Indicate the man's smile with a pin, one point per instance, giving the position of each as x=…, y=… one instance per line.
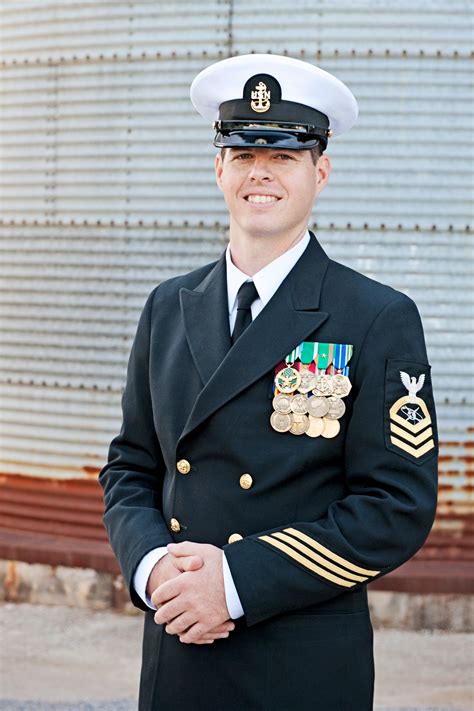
x=261, y=199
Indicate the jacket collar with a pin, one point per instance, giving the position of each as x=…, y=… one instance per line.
x=287, y=319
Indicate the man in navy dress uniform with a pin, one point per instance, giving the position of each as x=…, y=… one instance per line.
x=278, y=447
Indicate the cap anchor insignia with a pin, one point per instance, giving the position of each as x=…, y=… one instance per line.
x=260, y=98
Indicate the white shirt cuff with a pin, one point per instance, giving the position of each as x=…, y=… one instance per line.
x=143, y=572
x=232, y=598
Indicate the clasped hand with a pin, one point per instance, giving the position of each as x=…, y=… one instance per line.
x=188, y=590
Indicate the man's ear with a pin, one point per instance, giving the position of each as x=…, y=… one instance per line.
x=218, y=166
x=323, y=167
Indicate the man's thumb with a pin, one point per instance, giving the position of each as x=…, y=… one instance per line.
x=185, y=563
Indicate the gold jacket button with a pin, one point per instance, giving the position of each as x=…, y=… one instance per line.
x=183, y=466
x=175, y=525
x=234, y=537
x=245, y=481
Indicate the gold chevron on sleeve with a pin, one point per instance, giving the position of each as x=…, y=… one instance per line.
x=329, y=554
x=307, y=563
x=411, y=450
x=414, y=440
x=318, y=558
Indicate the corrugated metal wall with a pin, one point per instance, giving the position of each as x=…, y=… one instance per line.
x=107, y=188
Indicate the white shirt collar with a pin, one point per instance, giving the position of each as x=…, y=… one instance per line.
x=269, y=278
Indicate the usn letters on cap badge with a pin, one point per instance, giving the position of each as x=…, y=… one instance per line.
x=409, y=428
x=260, y=98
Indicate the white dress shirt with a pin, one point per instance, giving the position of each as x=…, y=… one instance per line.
x=266, y=281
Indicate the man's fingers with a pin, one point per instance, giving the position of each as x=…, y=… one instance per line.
x=209, y=639
x=224, y=627
x=181, y=623
x=184, y=563
x=193, y=634
x=169, y=611
x=220, y=632
x=166, y=591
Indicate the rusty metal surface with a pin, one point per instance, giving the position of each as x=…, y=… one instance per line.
x=422, y=576
x=59, y=522
x=54, y=550
x=55, y=522
x=456, y=481
x=66, y=508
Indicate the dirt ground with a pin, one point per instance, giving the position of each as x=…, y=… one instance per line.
x=54, y=654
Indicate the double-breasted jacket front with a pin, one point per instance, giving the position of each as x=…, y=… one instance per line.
x=318, y=517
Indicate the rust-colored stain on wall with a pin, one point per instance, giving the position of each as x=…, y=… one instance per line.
x=452, y=535
x=54, y=521
x=59, y=522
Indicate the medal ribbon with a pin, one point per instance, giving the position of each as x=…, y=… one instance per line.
x=308, y=350
x=342, y=355
x=324, y=357
x=330, y=358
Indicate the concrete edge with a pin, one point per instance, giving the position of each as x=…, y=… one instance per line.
x=37, y=583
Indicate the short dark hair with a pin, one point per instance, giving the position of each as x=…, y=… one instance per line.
x=316, y=152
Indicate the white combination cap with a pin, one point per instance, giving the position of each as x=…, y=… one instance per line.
x=268, y=100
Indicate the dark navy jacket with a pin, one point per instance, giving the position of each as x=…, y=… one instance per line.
x=322, y=518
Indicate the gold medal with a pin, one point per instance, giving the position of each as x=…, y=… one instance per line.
x=299, y=404
x=336, y=407
x=281, y=422
x=287, y=380
x=282, y=404
x=316, y=426
x=323, y=385
x=318, y=406
x=331, y=428
x=300, y=424
x=341, y=385
x=308, y=381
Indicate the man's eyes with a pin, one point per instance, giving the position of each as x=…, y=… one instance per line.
x=249, y=156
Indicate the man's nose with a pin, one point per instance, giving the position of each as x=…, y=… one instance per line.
x=261, y=169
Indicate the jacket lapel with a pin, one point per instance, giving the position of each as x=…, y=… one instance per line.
x=206, y=320
x=288, y=318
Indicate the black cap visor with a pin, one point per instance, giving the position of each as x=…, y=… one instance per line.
x=296, y=140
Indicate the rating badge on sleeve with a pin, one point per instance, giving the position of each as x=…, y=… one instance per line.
x=410, y=421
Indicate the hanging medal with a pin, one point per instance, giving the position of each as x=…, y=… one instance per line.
x=309, y=388
x=287, y=380
x=308, y=378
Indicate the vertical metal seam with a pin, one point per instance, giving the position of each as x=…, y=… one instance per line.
x=231, y=28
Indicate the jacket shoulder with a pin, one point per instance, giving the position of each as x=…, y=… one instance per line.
x=361, y=293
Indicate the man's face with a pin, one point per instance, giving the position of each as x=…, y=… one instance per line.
x=270, y=192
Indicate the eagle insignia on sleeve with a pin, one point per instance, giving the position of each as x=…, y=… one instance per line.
x=410, y=420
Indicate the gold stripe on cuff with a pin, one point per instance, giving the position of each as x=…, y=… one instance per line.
x=333, y=556
x=318, y=558
x=307, y=563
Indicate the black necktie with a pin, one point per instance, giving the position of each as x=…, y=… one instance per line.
x=245, y=298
